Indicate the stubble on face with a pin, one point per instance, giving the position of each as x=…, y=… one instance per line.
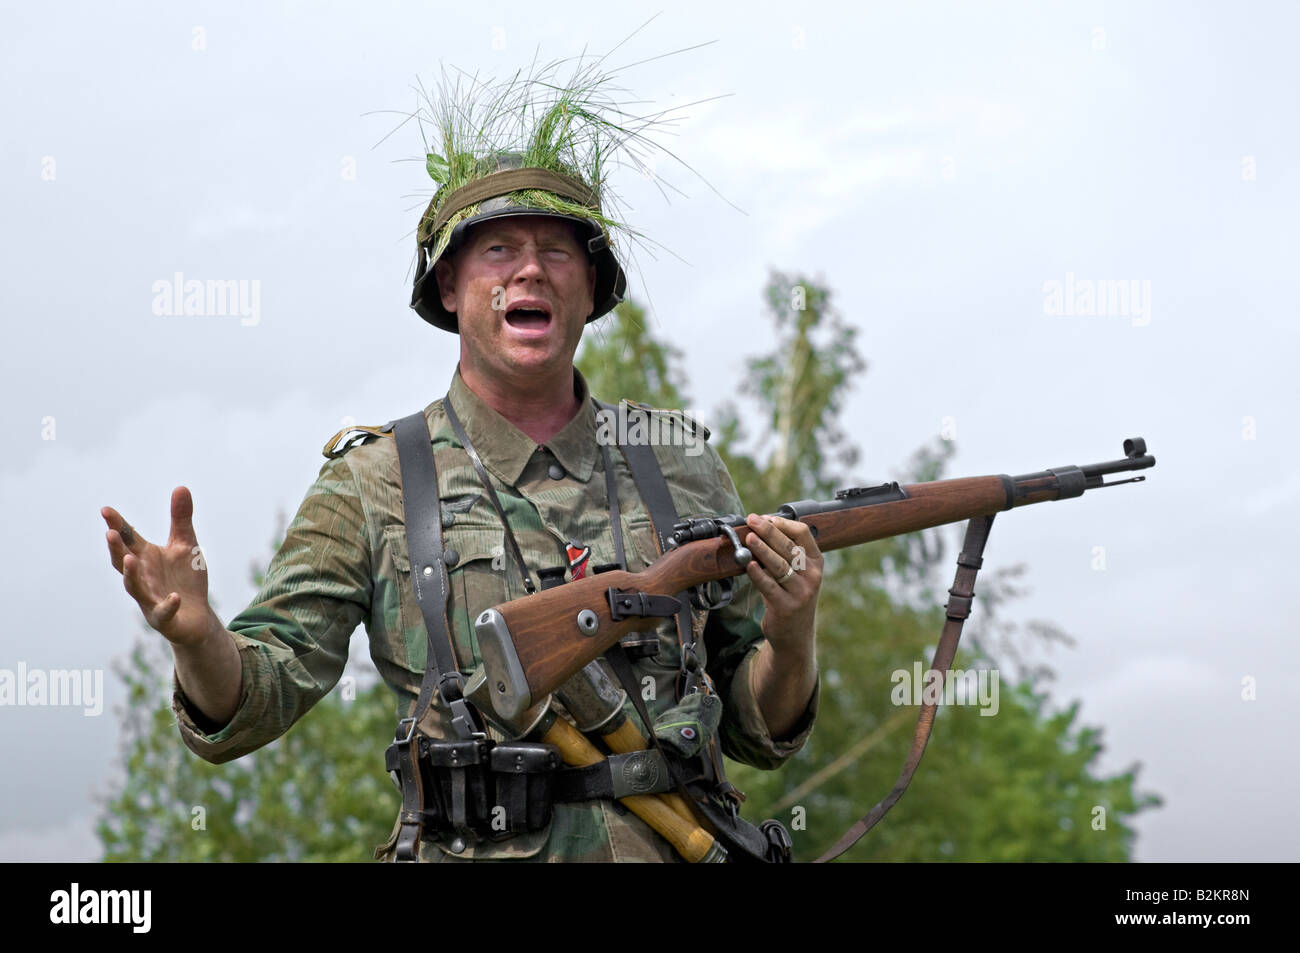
x=522, y=290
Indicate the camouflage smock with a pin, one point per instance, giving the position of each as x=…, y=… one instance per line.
x=344, y=561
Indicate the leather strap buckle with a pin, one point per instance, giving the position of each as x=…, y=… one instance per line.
x=399, y=738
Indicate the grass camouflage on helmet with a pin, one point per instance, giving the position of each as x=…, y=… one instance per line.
x=531, y=145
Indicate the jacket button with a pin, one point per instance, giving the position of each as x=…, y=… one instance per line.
x=555, y=471
x=457, y=846
x=450, y=557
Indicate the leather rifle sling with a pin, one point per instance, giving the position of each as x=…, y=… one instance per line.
x=962, y=593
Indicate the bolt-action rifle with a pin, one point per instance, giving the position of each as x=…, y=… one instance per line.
x=532, y=645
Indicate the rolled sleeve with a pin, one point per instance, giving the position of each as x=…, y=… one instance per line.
x=221, y=744
x=293, y=638
x=746, y=737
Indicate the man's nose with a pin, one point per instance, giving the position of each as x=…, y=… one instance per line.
x=530, y=263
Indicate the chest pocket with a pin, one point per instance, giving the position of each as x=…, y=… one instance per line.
x=400, y=651
x=480, y=577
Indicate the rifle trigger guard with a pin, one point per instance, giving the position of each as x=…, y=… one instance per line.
x=629, y=603
x=700, y=595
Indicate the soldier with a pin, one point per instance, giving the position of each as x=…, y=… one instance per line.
x=515, y=258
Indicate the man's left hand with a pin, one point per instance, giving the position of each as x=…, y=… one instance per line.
x=787, y=572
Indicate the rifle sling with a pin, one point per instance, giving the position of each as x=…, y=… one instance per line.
x=958, y=608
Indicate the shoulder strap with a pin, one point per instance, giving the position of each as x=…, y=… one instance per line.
x=423, y=518
x=649, y=479
x=424, y=546
x=348, y=437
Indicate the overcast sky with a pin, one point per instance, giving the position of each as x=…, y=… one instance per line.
x=947, y=168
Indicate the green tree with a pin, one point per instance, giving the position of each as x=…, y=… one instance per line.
x=620, y=359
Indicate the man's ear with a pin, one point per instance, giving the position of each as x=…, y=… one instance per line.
x=591, y=283
x=444, y=272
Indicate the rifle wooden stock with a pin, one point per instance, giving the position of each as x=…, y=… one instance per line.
x=538, y=637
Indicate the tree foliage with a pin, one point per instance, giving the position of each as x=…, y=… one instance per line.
x=622, y=359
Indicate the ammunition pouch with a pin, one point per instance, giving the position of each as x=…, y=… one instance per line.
x=478, y=789
x=524, y=776
x=481, y=790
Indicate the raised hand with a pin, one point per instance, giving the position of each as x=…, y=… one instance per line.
x=168, y=582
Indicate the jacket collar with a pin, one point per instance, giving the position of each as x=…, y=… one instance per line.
x=506, y=450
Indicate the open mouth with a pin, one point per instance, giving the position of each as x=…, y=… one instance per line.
x=529, y=318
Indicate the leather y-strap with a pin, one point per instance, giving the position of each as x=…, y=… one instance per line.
x=649, y=479
x=962, y=594
x=616, y=522
x=429, y=579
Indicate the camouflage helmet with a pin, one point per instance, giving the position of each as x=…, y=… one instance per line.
x=505, y=188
